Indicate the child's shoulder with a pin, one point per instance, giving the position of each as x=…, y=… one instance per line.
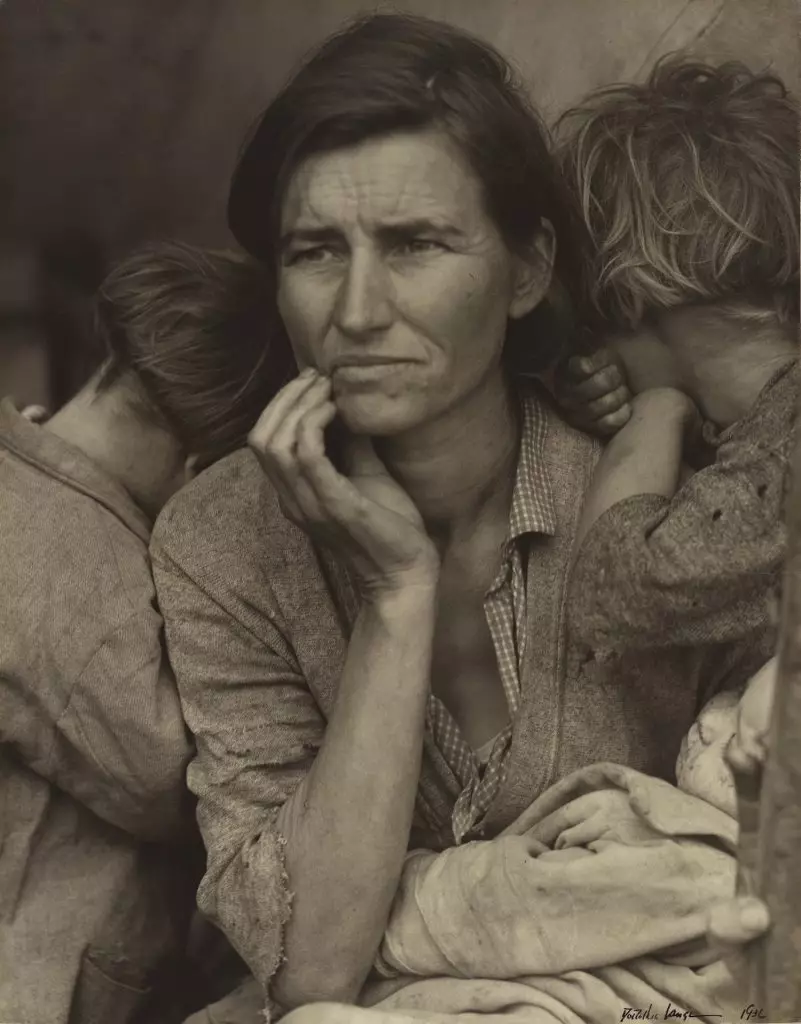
x=773, y=418
x=769, y=426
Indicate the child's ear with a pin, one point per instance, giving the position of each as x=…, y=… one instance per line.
x=191, y=468
x=533, y=272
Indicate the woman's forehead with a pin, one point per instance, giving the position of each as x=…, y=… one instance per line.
x=384, y=181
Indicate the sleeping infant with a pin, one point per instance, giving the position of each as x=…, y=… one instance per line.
x=732, y=728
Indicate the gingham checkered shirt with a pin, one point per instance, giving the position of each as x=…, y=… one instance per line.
x=532, y=511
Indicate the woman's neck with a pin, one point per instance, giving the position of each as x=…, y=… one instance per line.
x=460, y=468
x=136, y=452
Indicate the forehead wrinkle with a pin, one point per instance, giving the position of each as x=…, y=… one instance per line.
x=346, y=189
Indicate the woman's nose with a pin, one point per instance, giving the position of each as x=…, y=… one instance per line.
x=364, y=303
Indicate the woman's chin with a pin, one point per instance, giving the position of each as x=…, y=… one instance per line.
x=374, y=415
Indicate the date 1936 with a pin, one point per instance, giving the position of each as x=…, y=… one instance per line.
x=752, y=1012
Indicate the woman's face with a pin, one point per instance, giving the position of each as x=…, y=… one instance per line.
x=395, y=282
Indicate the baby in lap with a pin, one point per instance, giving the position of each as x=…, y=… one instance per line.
x=730, y=725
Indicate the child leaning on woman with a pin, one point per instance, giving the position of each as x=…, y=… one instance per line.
x=689, y=188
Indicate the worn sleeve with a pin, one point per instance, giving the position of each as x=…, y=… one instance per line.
x=701, y=568
x=121, y=746
x=257, y=730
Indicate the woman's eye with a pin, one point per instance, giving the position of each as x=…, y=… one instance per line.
x=318, y=254
x=420, y=246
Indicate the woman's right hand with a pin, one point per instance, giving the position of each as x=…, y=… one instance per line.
x=365, y=516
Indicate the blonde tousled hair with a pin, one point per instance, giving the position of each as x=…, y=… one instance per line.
x=689, y=188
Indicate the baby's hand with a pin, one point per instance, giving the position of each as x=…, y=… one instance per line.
x=593, y=392
x=748, y=747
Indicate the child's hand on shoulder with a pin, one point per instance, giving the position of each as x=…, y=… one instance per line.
x=593, y=393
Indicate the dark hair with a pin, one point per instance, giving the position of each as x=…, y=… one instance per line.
x=194, y=330
x=392, y=72
x=689, y=188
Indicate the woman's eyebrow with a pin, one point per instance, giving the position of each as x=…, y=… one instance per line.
x=419, y=226
x=388, y=231
x=311, y=235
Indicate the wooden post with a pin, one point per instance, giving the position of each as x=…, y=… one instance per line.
x=770, y=844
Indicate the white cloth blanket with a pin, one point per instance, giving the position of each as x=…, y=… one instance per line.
x=592, y=904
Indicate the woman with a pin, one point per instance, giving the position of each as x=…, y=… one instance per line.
x=367, y=624
x=97, y=839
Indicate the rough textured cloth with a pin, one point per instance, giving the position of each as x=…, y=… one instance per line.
x=93, y=747
x=257, y=623
x=700, y=568
x=593, y=901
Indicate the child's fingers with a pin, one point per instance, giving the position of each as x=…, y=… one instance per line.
x=613, y=421
x=610, y=402
x=580, y=367
x=602, y=382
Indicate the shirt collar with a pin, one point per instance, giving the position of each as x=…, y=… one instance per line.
x=532, y=508
x=58, y=459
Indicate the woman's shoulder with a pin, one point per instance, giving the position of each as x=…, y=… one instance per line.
x=228, y=513
x=223, y=537
x=564, y=448
x=234, y=483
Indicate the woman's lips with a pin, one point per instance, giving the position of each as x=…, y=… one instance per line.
x=368, y=370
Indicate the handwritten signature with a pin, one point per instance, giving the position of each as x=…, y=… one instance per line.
x=749, y=1013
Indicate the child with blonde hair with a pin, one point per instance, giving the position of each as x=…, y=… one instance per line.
x=689, y=187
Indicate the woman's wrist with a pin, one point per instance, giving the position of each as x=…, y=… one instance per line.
x=409, y=594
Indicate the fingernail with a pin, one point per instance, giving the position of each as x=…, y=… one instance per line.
x=307, y=373
x=754, y=916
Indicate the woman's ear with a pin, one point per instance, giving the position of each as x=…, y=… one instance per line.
x=533, y=272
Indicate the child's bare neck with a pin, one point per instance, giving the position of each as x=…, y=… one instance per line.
x=726, y=361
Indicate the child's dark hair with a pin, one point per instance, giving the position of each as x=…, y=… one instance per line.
x=689, y=187
x=193, y=328
x=394, y=72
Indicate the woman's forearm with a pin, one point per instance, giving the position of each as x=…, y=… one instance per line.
x=644, y=457
x=347, y=826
